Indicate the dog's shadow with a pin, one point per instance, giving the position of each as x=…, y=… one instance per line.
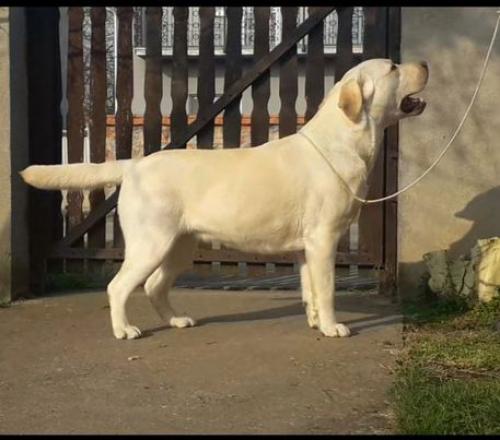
x=257, y=315
x=374, y=319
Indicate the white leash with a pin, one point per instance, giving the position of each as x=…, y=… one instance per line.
x=407, y=187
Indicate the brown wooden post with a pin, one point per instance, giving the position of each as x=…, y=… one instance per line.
x=178, y=124
x=261, y=88
x=233, y=70
x=75, y=93
x=206, y=75
x=315, y=70
x=371, y=220
x=153, y=86
x=206, y=95
x=45, y=128
x=261, y=92
x=344, y=61
x=97, y=122
x=124, y=94
x=231, y=129
x=389, y=280
x=288, y=76
x=345, y=57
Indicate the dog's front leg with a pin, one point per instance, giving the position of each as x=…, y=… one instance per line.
x=320, y=260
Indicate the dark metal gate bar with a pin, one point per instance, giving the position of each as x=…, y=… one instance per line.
x=377, y=225
x=45, y=125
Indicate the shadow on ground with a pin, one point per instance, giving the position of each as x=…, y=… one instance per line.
x=376, y=317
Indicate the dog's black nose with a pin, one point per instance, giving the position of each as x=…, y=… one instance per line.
x=424, y=65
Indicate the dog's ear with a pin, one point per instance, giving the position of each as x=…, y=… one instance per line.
x=351, y=99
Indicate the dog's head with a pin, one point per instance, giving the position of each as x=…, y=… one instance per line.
x=383, y=90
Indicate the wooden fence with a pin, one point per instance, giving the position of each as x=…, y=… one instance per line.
x=84, y=243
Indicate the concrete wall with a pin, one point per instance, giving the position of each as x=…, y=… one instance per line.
x=459, y=201
x=19, y=141
x=5, y=202
x=14, y=258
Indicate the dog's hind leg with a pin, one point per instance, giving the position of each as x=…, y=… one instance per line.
x=308, y=298
x=144, y=252
x=179, y=259
x=141, y=259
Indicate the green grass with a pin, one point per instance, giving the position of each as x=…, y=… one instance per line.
x=448, y=381
x=426, y=311
x=464, y=350
x=429, y=405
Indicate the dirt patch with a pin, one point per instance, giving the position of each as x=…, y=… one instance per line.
x=251, y=366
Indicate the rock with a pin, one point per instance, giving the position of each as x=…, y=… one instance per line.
x=474, y=276
x=462, y=277
x=488, y=269
x=437, y=266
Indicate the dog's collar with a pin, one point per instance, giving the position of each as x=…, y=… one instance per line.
x=323, y=155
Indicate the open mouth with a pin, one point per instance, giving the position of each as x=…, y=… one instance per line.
x=410, y=104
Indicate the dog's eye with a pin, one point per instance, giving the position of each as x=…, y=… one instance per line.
x=394, y=67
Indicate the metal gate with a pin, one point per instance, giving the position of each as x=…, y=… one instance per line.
x=77, y=241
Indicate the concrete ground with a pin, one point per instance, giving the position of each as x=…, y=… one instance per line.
x=251, y=366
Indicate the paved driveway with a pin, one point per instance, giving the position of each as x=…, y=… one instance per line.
x=251, y=366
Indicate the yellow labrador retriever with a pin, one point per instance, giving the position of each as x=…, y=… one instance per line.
x=280, y=196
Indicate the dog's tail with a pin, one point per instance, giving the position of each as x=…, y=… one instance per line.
x=77, y=175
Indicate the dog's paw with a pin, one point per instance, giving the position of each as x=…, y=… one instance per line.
x=182, y=322
x=127, y=332
x=335, y=330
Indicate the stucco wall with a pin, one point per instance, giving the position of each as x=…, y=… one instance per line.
x=5, y=202
x=14, y=270
x=459, y=201
x=19, y=142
